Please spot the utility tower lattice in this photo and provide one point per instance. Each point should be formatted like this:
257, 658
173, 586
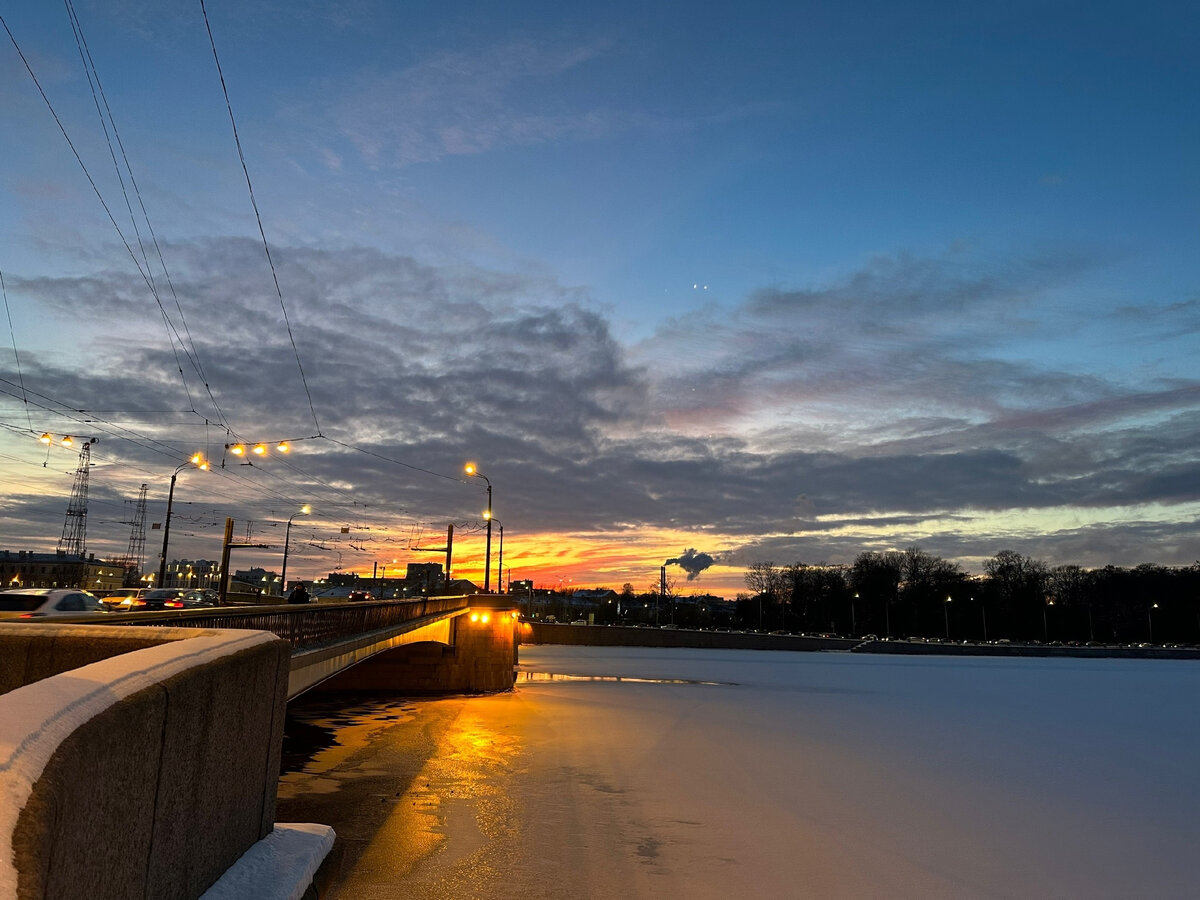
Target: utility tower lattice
74, 536
136, 553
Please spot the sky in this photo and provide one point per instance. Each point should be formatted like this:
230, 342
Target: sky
773, 282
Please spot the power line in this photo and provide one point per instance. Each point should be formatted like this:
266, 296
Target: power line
104, 204
98, 95
17, 356
258, 218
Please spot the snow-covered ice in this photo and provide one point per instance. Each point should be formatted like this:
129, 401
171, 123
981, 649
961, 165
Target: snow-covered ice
803, 775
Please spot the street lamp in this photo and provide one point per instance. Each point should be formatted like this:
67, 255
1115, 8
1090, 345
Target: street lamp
382, 581
199, 462
946, 610
500, 561
1150, 620
471, 470
287, 537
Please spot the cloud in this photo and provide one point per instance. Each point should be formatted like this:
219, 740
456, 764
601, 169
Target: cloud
458, 103
798, 445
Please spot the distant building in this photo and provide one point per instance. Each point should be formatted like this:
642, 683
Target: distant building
593, 596
523, 587
261, 579
26, 569
424, 578
193, 573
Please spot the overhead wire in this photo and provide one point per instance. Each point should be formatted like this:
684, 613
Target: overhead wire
16, 356
132, 435
258, 218
98, 96
99, 196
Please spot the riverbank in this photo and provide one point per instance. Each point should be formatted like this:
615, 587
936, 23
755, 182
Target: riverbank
631, 636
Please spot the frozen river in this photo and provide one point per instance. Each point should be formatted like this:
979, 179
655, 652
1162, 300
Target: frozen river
738, 773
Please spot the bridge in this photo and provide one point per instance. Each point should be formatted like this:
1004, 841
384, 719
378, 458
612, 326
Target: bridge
139, 756
455, 644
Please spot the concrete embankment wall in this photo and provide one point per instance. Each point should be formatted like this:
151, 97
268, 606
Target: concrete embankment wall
945, 648
615, 636
623, 636
134, 762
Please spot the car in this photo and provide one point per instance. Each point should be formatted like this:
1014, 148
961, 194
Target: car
198, 598
37, 603
361, 595
161, 598
124, 600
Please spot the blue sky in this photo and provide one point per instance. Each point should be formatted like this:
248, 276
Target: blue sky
784, 281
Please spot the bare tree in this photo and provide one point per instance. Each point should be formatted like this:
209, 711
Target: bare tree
767, 580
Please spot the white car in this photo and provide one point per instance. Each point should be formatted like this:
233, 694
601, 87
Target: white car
37, 603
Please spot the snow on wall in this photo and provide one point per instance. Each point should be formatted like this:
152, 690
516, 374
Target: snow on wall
37, 718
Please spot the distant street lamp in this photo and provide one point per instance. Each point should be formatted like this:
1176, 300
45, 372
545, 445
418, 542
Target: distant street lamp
474, 472
1150, 620
199, 462
1045, 624
946, 610
382, 581
287, 538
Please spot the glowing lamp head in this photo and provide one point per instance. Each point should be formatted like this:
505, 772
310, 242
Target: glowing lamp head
237, 450
45, 438
68, 441
260, 449
474, 617
283, 447
470, 468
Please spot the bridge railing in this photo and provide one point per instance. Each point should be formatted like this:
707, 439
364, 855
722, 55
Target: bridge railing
303, 626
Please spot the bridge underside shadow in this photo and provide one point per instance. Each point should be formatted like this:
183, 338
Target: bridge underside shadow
473, 652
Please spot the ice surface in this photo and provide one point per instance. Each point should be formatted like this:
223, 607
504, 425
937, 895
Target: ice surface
843, 775
815, 775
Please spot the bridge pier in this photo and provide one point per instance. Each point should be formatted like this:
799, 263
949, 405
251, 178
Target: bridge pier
479, 658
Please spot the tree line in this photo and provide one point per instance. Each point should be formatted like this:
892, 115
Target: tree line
909, 593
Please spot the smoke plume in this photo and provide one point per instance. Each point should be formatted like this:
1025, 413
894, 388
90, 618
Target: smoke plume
691, 562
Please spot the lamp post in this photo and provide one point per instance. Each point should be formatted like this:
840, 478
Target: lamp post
199, 462
1150, 620
487, 568
382, 581
500, 560
287, 539
946, 610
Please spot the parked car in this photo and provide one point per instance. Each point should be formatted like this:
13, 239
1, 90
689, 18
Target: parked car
361, 595
36, 603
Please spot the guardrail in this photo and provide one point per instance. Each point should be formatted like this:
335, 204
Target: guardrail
303, 626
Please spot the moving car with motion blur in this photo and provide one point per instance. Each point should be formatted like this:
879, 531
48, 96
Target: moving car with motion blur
38, 603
